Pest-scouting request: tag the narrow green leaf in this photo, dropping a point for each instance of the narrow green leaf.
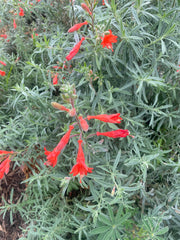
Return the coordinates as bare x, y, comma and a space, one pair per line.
162, 231
116, 160
105, 220
99, 230
110, 211
163, 47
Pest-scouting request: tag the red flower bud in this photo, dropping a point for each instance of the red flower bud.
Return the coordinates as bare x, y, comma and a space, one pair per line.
3, 63
85, 7
60, 107
83, 124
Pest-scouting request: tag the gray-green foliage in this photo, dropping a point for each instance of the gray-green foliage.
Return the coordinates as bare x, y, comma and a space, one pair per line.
138, 80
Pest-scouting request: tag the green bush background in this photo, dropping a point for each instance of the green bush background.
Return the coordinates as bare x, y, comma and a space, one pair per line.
139, 80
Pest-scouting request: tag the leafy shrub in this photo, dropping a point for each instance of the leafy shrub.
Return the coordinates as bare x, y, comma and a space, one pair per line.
133, 190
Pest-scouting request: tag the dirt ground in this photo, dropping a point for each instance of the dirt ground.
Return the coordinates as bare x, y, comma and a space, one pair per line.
11, 181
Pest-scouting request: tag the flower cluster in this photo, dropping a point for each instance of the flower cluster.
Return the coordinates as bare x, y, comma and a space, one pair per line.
80, 168
21, 13
107, 39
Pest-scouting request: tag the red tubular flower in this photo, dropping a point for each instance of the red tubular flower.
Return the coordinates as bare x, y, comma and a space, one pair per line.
65, 139
75, 49
4, 167
14, 24
52, 156
112, 118
2, 73
83, 124
103, 2
80, 167
3, 63
107, 40
85, 7
55, 79
21, 12
77, 26
3, 36
5, 152
115, 134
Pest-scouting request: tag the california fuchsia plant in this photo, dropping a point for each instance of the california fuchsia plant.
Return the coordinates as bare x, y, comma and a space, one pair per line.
80, 167
109, 69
